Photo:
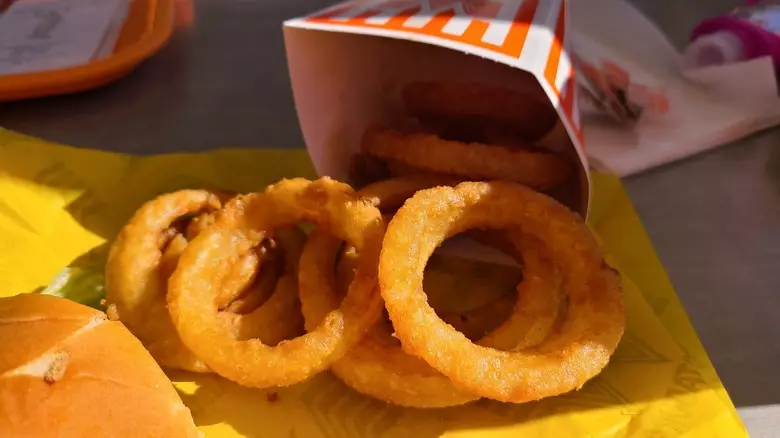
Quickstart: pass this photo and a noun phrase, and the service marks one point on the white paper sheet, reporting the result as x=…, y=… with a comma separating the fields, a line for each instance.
x=37, y=35
x=707, y=108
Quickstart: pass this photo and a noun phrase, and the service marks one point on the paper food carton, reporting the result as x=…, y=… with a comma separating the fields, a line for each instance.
x=350, y=64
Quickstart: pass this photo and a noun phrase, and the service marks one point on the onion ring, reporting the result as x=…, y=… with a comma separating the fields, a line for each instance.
x=152, y=325
x=379, y=367
x=476, y=161
x=567, y=358
x=538, y=299
x=528, y=114
x=537, y=303
x=242, y=225
x=135, y=286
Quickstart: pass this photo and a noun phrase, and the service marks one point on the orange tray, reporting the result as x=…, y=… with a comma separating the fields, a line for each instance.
x=149, y=25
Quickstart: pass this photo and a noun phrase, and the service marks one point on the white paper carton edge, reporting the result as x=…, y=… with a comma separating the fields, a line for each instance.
x=537, y=31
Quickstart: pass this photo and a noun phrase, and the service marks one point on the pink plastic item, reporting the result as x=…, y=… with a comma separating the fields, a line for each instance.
x=747, y=32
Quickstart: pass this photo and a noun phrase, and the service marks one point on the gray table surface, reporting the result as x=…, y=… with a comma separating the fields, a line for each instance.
x=714, y=218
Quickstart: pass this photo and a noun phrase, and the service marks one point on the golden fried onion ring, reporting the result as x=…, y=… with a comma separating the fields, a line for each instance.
x=475, y=161
x=242, y=225
x=567, y=358
x=135, y=285
x=538, y=295
x=377, y=366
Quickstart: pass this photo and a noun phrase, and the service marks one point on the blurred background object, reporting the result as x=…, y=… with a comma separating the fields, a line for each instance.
x=66, y=46
x=657, y=110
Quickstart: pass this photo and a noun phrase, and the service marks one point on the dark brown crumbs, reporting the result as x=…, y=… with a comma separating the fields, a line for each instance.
x=272, y=397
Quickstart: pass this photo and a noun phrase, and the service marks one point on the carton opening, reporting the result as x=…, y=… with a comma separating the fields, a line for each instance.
x=347, y=84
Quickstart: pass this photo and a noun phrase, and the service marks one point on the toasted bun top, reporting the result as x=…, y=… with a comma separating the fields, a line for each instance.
x=66, y=371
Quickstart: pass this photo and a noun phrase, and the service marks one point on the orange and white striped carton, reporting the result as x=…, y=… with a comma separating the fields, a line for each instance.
x=348, y=63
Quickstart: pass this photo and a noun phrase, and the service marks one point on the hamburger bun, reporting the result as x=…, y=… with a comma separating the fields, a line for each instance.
x=66, y=371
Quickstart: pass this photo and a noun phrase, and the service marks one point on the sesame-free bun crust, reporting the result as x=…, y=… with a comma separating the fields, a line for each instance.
x=66, y=371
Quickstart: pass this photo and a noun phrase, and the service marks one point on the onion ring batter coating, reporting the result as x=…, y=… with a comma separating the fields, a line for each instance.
x=241, y=292
x=262, y=288
x=474, y=322
x=475, y=161
x=279, y=317
x=537, y=303
x=170, y=257
x=243, y=224
x=239, y=282
x=376, y=366
x=270, y=310
x=564, y=361
x=241, y=277
x=135, y=286
x=200, y=223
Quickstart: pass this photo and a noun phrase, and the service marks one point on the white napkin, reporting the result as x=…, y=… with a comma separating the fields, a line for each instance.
x=706, y=107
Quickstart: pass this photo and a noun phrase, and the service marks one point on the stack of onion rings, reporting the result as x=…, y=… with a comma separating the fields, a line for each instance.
x=471, y=131
x=147, y=252
x=238, y=289
x=230, y=284
x=241, y=226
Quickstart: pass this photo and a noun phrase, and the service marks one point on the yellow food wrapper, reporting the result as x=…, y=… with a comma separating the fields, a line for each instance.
x=59, y=207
